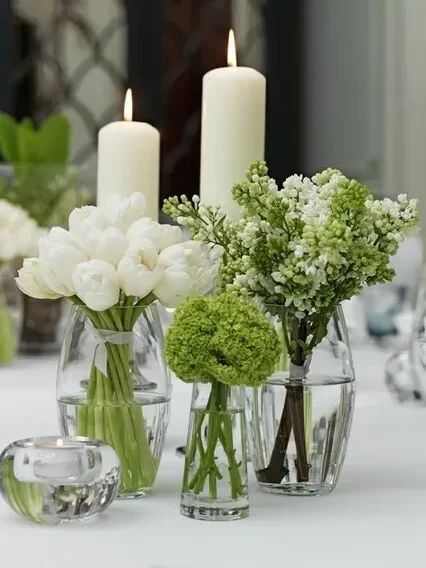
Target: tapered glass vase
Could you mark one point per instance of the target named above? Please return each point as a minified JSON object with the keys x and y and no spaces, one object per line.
{"x":299,"y":420}
{"x":113,"y":385}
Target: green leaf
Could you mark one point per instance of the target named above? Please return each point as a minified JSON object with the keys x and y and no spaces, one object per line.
{"x":28,"y":148}
{"x":8,"y":137}
{"x":54,"y":139}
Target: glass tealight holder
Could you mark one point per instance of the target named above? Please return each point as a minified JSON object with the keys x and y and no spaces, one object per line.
{"x":55,"y":480}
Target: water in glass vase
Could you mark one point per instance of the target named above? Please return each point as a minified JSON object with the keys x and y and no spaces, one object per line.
{"x":215,"y":480}
{"x":135,"y":429}
{"x":328,"y":404}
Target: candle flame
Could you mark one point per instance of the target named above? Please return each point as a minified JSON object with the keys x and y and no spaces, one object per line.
{"x":232,"y":52}
{"x":128,"y":106}
{"x":59,"y":442}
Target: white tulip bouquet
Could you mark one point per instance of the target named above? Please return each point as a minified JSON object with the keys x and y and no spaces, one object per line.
{"x":18,"y":237}
{"x":110,"y":259}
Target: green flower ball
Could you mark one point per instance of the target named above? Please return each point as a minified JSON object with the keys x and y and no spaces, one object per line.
{"x":223,"y":338}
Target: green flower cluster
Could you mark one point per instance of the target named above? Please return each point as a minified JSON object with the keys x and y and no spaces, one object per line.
{"x":307,"y":246}
{"x":223,"y":338}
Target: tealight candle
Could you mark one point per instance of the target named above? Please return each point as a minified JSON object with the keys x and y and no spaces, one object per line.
{"x":56,"y":460}
{"x":54,"y":480}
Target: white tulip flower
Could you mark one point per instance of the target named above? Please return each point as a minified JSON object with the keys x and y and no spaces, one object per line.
{"x":96,"y":284}
{"x":83,"y":220}
{"x":109,"y":245}
{"x":59,"y":255}
{"x":123,"y":211}
{"x":137,"y":270}
{"x":187,"y":271}
{"x":31,"y":282}
{"x":161,"y":236}
{"x":173,"y":287}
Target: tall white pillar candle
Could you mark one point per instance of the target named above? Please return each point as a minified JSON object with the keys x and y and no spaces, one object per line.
{"x":232,"y":131}
{"x":129,"y":161}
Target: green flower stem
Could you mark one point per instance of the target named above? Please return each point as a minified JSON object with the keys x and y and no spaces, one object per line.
{"x":25,"y":498}
{"x":219,"y":431}
{"x":295,"y":416}
{"x":7,"y":335}
{"x":111,"y":412}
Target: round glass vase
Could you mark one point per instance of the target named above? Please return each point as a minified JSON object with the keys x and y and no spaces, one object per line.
{"x":299,"y":420}
{"x":214,"y":486}
{"x":55,"y":480}
{"x":113,"y":385}
{"x":10,"y":314}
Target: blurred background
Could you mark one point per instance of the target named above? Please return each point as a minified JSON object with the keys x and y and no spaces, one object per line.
{"x":345,"y":80}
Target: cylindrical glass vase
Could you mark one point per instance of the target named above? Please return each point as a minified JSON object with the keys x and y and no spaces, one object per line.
{"x":113,"y":385}
{"x":299,"y":420}
{"x":10,"y":315}
{"x":214,"y":486}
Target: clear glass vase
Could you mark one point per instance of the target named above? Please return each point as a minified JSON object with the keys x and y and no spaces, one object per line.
{"x":10,"y":315}
{"x":214,"y":486}
{"x":412,"y":382}
{"x":113,"y":385}
{"x":299,"y":420}
{"x":55,"y":480}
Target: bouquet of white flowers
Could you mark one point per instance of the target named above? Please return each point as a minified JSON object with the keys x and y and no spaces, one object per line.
{"x":299,"y":251}
{"x":112,"y":263}
{"x":18,"y":237}
{"x":18,"y":232}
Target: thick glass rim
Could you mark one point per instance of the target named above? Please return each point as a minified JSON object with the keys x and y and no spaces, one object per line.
{"x":41,"y":441}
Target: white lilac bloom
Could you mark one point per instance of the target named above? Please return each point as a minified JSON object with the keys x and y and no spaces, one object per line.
{"x":306,"y":246}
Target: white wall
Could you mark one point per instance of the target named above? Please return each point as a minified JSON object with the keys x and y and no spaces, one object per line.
{"x":342,"y":85}
{"x":414,"y":101}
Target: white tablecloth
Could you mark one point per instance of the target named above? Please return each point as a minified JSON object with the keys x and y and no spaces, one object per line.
{"x":376,"y":517}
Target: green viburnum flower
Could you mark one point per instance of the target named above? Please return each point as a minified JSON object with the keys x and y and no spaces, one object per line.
{"x":223,"y":338}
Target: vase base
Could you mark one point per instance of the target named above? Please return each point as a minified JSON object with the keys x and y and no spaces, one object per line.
{"x":297,"y":489}
{"x":205,"y":510}
{"x":137,"y":494}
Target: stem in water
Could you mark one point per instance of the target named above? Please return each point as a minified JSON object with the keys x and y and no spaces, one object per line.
{"x":292,"y":416}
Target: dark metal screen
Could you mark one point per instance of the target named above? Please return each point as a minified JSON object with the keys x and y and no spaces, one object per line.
{"x":79,"y":55}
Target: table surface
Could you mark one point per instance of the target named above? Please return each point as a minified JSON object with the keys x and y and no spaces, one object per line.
{"x":375,"y":517}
